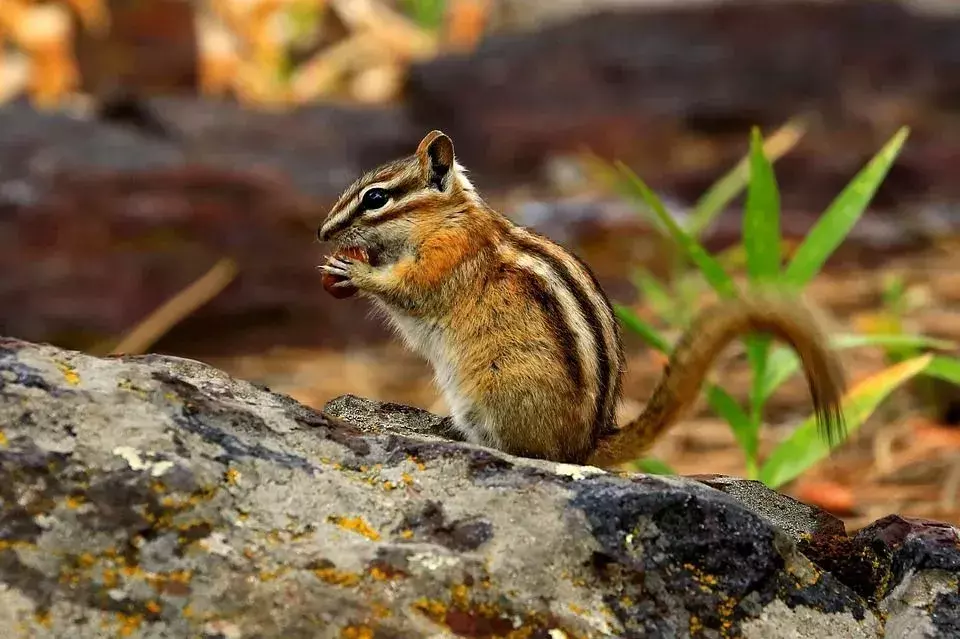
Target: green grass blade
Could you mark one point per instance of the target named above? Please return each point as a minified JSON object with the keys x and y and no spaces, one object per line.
{"x":727,"y":188}
{"x":649,"y":334}
{"x":653,"y":466}
{"x":743,"y":429}
{"x":783,"y":362}
{"x":894,"y":340}
{"x":711,"y":269}
{"x":427,"y":13}
{"x":945,"y":368}
{"x":761,"y":216}
{"x":833,"y":226}
{"x":655,"y":294}
{"x":805,"y":447}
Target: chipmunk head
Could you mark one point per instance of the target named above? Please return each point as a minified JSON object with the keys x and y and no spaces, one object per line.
{"x":380,"y":211}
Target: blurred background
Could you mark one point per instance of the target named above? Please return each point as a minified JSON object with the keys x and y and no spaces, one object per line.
{"x":164,"y":165}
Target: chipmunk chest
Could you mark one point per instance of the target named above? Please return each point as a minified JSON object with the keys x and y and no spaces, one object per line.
{"x":432,"y":341}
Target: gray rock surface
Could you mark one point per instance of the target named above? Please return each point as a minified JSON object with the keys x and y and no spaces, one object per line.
{"x":157,"y":497}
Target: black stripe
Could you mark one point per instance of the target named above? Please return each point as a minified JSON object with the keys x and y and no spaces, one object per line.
{"x":386,"y":173}
{"x":602,"y":409}
{"x":606,"y":301}
{"x":539,"y":290}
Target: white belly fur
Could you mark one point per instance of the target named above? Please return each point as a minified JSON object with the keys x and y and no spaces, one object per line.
{"x":430,"y":342}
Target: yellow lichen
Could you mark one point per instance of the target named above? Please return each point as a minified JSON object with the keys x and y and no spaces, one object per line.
{"x":127,"y":385}
{"x":74,"y":502}
{"x":69,"y":373}
{"x":129,"y":624}
{"x":406,"y":533}
{"x":436,"y":610}
{"x":3,"y":439}
{"x":460,"y":595}
{"x":110,"y":577}
{"x":232,"y":476}
{"x":696,"y":626}
{"x":357,"y":525}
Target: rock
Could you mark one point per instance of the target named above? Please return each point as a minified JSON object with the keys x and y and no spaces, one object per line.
{"x":800,"y":520}
{"x":155,"y":496}
{"x":100,"y":224}
{"x":902,"y":566}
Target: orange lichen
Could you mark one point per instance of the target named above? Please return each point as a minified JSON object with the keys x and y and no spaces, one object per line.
{"x":44,"y":618}
{"x":337,"y":577}
{"x":110,"y":577}
{"x":357,"y":525}
{"x":176,"y":582}
{"x":232,"y":476}
{"x":69,"y":373}
{"x":378,"y":574}
{"x":75,"y":501}
{"x":356,"y":632}
{"x":153,"y":607}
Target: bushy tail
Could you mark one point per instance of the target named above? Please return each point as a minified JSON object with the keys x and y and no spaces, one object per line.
{"x":783,"y":318}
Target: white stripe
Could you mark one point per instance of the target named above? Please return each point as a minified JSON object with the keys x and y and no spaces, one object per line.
{"x":574,"y":319}
{"x":594,"y":297}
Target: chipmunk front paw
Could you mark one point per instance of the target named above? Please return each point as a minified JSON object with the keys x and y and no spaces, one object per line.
{"x":349,"y":271}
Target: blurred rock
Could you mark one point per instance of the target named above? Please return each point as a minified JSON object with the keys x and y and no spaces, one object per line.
{"x":102,"y":219}
{"x":635,"y":84}
{"x":100,"y":224}
{"x":508,"y":15}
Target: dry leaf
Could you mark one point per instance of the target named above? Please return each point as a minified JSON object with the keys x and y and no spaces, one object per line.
{"x":830,"y":496}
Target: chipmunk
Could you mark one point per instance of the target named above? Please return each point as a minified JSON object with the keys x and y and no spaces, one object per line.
{"x":524,"y":343}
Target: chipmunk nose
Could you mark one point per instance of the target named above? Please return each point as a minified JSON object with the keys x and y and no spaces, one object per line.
{"x":323,"y":232}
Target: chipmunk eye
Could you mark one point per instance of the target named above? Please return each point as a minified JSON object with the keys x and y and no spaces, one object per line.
{"x":374,"y":199}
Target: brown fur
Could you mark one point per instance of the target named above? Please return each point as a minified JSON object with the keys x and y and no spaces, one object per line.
{"x":523,"y":340}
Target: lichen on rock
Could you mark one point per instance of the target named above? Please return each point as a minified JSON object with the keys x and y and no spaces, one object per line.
{"x":158,"y":497}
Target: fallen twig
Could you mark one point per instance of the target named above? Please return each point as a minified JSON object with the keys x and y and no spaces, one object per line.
{"x":176,"y":309}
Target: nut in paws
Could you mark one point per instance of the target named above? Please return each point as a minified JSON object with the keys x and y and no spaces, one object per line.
{"x":335,"y":278}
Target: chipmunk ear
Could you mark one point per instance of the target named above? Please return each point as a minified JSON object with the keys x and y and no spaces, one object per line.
{"x":435,"y":153}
